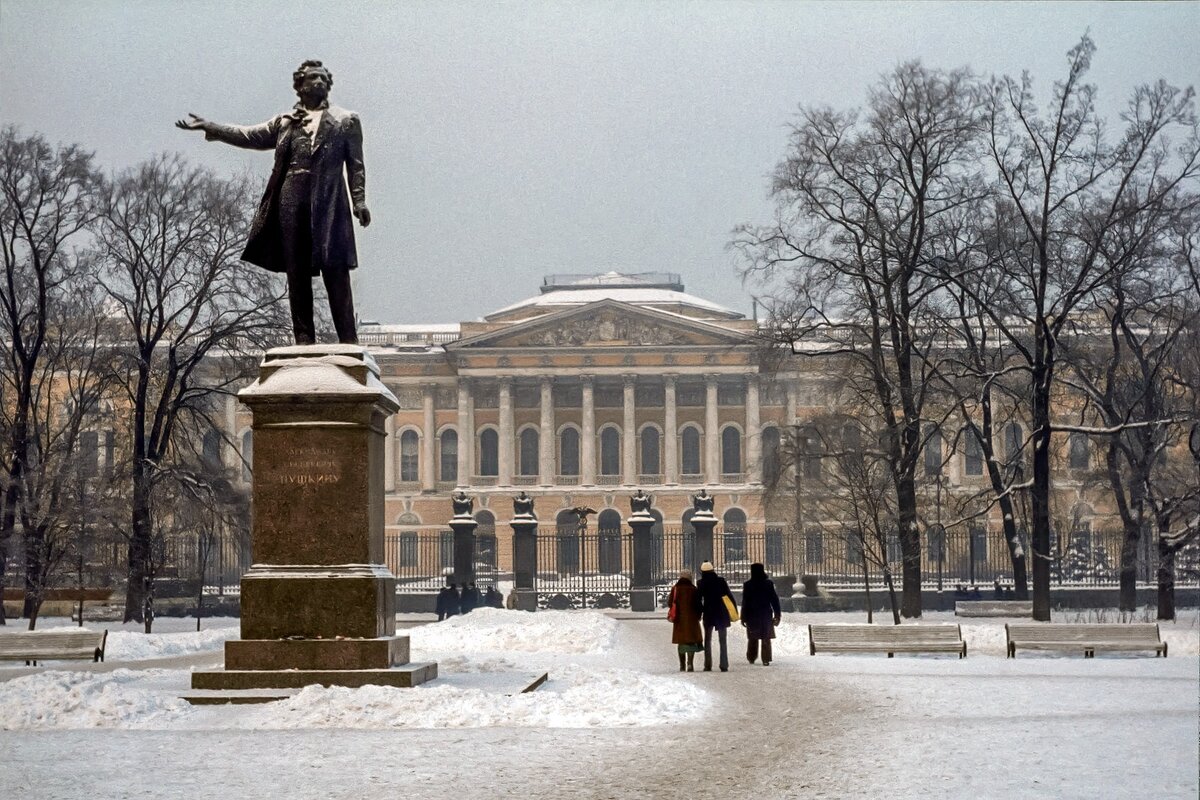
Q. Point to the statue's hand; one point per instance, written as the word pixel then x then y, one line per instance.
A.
pixel 363 215
pixel 193 124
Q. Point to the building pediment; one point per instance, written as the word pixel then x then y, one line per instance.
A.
pixel 606 323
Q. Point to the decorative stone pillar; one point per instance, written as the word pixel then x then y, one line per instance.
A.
pixel 463 525
pixel 546 434
pixel 318 605
pixel 670 433
pixel 753 465
pixel 587 436
pixel 641 587
pixel 466 434
pixel 525 560
pixel 428 440
pixel 712 435
pixel 506 433
pixel 703 522
pixel 629 432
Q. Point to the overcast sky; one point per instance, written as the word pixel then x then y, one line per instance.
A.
pixel 507 141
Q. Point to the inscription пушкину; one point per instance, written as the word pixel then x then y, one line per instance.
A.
pixel 308 466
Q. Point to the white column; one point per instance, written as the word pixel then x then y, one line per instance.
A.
pixel 712 436
pixel 230 451
pixel 587 436
pixel 670 433
pixel 428 439
pixel 389 454
pixel 791 401
pixel 546 434
pixel 506 433
pixel 466 434
pixel 629 433
pixel 753 465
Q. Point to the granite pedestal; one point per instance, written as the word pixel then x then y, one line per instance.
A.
pixel 318 604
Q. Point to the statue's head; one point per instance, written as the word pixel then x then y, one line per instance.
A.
pixel 312 77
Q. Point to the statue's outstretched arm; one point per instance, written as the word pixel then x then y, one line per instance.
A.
pixel 253 137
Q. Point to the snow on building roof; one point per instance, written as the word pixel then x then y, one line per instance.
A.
pixel 632 289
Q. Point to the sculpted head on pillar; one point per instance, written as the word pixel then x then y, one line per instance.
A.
pixel 640 502
pixel 702 501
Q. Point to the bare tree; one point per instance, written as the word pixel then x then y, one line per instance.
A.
pixel 859 197
pixel 1064 191
pixel 170 236
pixel 48 198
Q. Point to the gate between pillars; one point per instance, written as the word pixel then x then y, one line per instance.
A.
pixel 589 570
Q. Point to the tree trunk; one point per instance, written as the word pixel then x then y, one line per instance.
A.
pixel 139 545
pixel 35 545
pixel 1128 574
pixel 1166 574
pixel 1040 492
pixel 910 546
pixel 867 583
pixel 891 587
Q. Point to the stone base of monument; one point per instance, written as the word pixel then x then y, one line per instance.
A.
pixel 318 606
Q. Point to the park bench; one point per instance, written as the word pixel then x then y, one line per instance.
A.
pixel 993 608
pixel 52 645
pixel 890 639
pixel 1086 637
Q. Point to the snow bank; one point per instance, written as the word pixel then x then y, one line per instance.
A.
pixel 575 697
pixel 129 646
pixel 119 699
pixel 492 630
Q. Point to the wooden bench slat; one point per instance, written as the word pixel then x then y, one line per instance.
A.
pixel 993 608
pixel 53 645
pixel 887 639
pixel 1088 637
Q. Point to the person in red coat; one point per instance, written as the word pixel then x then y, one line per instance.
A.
pixel 684 605
pixel 760 613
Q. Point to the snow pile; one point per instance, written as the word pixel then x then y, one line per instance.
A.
pixel 491 630
pixel 118 699
pixel 131 646
pixel 574 697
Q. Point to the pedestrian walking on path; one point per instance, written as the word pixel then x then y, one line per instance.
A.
pixel 716 613
pixel 684 612
pixel 760 613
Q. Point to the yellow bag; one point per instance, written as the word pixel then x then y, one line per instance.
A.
pixel 733 614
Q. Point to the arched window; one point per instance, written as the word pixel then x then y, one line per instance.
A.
pixel 610 451
pixel 731 451
pixel 489 452
pixel 1078 452
pixel 651 441
pixel 972 453
pixel 210 454
pixel 770 456
pixel 1014 441
pixel 608 524
pixel 449 455
pixel 247 455
pixel 568 452
pixel 690 450
pixel 734 539
pixel 567 542
pixel 933 453
pixel 409 458
pixel 529 452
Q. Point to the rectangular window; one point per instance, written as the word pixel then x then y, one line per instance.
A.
pixel 972 453
pixel 772 394
pixel 609 396
pixel 1079 455
pixel 485 396
pixel 689 395
pixel 649 396
pixel 527 396
pixel 109 452
pixel 89 452
pixel 567 395
pixel 731 394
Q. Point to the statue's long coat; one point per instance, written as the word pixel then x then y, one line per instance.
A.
pixel 337 144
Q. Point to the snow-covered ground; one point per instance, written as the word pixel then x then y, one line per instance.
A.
pixel 617 720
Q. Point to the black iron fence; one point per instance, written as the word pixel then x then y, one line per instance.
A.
pixel 595 568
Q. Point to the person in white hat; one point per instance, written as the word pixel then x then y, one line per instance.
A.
pixel 715 614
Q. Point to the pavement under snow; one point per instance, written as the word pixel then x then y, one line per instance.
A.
pixel 615 720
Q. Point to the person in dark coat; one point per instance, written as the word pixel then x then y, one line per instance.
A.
pixel 303 226
pixel 447 602
pixel 760 613
pixel 470 598
pixel 492 598
pixel 685 632
pixel 714 615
